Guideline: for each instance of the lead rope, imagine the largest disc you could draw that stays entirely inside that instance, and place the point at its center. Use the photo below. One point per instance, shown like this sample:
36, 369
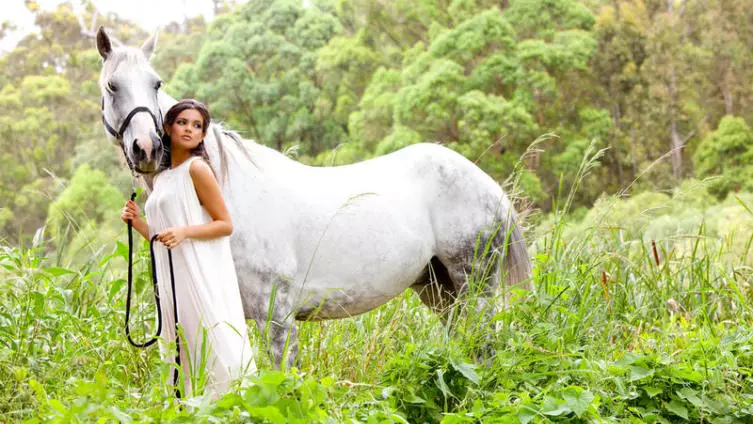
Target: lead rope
156, 300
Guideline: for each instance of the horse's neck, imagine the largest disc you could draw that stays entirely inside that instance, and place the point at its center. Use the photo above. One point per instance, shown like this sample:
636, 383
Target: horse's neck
165, 102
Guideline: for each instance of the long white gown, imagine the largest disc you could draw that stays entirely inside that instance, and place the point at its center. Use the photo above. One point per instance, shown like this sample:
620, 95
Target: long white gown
206, 289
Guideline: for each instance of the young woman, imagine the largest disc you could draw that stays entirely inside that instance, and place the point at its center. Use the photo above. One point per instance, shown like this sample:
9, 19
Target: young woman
187, 211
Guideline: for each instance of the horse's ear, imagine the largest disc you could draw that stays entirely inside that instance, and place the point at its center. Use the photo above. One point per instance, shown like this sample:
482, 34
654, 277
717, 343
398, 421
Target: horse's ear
150, 45
103, 43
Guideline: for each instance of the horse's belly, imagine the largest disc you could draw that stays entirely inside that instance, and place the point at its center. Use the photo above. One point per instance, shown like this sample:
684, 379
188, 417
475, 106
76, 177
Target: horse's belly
337, 297
347, 276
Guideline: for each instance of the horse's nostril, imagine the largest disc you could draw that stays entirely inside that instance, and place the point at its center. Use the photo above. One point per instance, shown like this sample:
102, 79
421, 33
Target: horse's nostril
138, 153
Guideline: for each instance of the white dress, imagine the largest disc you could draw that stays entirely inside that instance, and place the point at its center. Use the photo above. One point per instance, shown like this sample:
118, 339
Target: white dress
206, 289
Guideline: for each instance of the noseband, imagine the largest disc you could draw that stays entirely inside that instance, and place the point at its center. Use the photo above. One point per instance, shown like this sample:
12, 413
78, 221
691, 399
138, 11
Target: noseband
118, 134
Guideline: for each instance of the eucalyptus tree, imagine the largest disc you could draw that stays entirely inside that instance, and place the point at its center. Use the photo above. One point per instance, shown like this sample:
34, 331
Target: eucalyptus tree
257, 70
727, 155
480, 84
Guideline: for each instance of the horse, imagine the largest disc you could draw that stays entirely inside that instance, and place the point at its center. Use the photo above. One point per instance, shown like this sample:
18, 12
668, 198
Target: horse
316, 243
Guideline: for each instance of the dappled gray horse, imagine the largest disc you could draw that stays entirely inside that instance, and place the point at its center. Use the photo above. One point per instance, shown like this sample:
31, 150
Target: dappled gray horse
330, 242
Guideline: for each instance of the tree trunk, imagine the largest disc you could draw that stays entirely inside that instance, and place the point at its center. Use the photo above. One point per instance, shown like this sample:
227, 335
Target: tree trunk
675, 139
727, 93
633, 160
677, 145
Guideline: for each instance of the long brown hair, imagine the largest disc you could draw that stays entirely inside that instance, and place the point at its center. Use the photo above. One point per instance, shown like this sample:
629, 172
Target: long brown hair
170, 118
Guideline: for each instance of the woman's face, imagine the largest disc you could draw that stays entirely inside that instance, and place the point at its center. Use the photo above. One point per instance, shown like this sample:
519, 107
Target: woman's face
187, 131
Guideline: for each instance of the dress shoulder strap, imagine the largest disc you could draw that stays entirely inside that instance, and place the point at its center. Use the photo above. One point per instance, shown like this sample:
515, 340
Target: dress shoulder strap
191, 159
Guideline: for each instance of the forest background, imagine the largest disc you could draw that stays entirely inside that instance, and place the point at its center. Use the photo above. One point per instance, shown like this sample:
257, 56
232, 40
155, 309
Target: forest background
661, 85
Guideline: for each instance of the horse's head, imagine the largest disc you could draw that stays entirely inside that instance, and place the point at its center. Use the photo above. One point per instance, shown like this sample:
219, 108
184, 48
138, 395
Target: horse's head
130, 105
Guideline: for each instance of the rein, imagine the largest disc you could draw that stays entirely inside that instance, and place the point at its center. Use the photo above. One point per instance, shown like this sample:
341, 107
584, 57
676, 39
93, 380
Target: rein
156, 300
118, 134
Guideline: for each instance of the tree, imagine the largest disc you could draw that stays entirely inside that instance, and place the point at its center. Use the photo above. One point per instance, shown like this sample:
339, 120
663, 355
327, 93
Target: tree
50, 106
85, 213
478, 84
728, 154
257, 70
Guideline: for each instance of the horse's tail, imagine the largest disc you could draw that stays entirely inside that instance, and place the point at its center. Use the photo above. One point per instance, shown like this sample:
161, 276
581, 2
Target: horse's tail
517, 262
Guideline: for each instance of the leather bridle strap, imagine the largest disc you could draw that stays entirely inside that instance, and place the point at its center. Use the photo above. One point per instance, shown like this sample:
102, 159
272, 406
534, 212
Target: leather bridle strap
118, 134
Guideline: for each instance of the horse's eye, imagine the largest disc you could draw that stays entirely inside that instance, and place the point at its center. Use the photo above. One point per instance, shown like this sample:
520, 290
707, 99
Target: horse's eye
111, 87
158, 85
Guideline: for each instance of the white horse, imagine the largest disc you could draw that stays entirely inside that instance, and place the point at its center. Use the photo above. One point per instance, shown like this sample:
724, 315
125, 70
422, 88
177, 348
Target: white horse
330, 242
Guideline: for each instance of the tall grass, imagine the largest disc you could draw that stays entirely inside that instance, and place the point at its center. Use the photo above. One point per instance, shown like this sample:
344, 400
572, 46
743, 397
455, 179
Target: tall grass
617, 329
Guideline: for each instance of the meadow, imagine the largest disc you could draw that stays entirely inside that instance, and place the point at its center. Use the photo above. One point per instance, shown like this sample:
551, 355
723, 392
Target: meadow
641, 312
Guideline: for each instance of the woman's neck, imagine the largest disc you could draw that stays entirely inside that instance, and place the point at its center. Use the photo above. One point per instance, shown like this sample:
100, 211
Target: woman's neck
178, 157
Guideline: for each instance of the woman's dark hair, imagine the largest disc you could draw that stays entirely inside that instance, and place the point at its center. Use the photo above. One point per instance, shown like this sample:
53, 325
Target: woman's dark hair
170, 118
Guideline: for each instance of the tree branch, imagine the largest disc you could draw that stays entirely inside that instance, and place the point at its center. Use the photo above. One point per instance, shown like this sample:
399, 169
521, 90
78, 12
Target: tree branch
692, 133
91, 32
682, 8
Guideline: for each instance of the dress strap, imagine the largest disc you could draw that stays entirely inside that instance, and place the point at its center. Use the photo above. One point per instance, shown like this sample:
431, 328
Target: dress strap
191, 159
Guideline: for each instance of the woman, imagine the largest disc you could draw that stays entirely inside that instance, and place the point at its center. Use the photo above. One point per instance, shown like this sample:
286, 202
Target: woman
187, 211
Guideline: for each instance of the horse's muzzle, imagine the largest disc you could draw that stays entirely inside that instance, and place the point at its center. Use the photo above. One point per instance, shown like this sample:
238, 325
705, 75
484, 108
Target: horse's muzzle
147, 158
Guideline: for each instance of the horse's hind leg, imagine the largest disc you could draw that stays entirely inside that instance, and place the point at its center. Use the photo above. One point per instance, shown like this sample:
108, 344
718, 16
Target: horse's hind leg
435, 289
475, 278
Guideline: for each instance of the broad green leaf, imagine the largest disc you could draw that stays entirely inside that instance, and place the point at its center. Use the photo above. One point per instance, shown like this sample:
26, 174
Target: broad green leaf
638, 372
467, 371
691, 396
526, 414
268, 413
555, 407
273, 379
652, 391
578, 399
685, 373
676, 407
57, 405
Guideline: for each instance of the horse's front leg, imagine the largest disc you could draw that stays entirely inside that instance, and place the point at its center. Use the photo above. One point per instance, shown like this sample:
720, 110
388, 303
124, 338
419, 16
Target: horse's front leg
268, 300
279, 326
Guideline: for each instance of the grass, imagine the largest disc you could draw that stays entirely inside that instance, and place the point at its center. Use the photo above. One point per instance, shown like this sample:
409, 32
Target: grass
614, 331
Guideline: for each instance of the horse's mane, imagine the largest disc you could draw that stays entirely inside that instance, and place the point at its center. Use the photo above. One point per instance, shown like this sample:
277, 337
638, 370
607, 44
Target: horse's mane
239, 144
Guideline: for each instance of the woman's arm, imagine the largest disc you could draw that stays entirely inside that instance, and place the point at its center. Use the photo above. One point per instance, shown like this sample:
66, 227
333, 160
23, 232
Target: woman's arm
210, 197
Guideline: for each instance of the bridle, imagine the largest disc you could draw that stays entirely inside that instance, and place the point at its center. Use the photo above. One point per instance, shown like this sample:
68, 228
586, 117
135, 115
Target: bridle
118, 134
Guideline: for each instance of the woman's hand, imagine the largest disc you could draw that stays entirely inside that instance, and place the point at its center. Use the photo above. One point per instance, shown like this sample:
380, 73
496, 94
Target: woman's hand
130, 212
172, 236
